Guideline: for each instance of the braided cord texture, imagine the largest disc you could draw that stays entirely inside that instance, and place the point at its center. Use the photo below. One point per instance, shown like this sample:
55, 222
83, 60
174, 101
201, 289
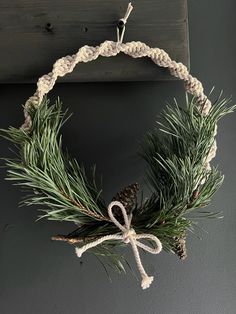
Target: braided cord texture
135, 49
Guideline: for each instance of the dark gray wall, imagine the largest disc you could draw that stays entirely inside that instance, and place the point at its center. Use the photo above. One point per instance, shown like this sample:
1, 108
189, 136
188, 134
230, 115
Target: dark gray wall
38, 276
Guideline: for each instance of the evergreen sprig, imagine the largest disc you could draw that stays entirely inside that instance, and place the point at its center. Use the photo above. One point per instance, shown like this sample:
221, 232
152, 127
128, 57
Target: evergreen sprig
58, 183
175, 153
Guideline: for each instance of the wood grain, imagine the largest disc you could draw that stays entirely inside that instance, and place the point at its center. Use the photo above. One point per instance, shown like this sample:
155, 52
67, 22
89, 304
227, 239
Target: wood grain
34, 33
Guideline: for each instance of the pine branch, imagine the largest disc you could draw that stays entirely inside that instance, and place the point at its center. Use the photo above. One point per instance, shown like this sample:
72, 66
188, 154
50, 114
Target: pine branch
175, 154
58, 183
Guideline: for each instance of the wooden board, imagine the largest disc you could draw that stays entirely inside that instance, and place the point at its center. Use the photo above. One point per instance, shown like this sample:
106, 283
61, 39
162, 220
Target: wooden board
34, 33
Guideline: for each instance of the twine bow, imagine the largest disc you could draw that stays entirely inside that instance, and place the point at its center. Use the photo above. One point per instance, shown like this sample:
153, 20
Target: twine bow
128, 235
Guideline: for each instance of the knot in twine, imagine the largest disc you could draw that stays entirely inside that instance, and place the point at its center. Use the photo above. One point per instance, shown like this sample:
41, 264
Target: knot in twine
128, 236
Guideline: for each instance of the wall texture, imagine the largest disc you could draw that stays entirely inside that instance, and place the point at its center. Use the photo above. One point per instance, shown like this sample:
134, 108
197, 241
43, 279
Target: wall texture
39, 276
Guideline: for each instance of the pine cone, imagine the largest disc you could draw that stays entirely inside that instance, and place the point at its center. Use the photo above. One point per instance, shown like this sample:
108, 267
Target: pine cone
180, 247
128, 197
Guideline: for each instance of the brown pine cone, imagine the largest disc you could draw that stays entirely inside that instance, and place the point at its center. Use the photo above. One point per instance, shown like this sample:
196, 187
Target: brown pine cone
180, 247
128, 197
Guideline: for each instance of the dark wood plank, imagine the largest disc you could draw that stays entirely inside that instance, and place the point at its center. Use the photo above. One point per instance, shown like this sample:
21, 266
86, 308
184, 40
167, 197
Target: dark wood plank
34, 33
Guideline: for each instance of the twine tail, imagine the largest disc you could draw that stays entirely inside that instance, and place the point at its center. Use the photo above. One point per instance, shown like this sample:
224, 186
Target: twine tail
80, 250
146, 280
127, 14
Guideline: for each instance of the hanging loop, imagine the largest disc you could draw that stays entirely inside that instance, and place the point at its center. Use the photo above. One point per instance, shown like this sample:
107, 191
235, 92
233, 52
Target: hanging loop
120, 29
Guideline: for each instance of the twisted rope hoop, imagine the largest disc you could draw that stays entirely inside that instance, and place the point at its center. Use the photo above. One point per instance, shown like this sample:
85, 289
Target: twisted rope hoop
134, 49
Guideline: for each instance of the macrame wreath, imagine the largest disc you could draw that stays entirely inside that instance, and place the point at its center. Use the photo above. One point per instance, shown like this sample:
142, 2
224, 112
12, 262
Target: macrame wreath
178, 156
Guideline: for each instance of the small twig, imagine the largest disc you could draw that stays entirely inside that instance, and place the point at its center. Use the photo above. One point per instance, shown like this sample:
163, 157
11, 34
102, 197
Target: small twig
70, 240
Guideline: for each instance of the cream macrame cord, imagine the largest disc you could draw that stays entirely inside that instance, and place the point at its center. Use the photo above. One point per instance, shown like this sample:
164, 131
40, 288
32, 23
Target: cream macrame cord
135, 49
127, 235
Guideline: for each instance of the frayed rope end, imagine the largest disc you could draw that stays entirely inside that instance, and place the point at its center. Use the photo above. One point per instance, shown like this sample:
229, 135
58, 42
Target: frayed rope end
78, 252
146, 282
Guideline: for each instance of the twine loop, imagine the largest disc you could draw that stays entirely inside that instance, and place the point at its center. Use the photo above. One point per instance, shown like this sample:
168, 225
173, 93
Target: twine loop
120, 29
128, 236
